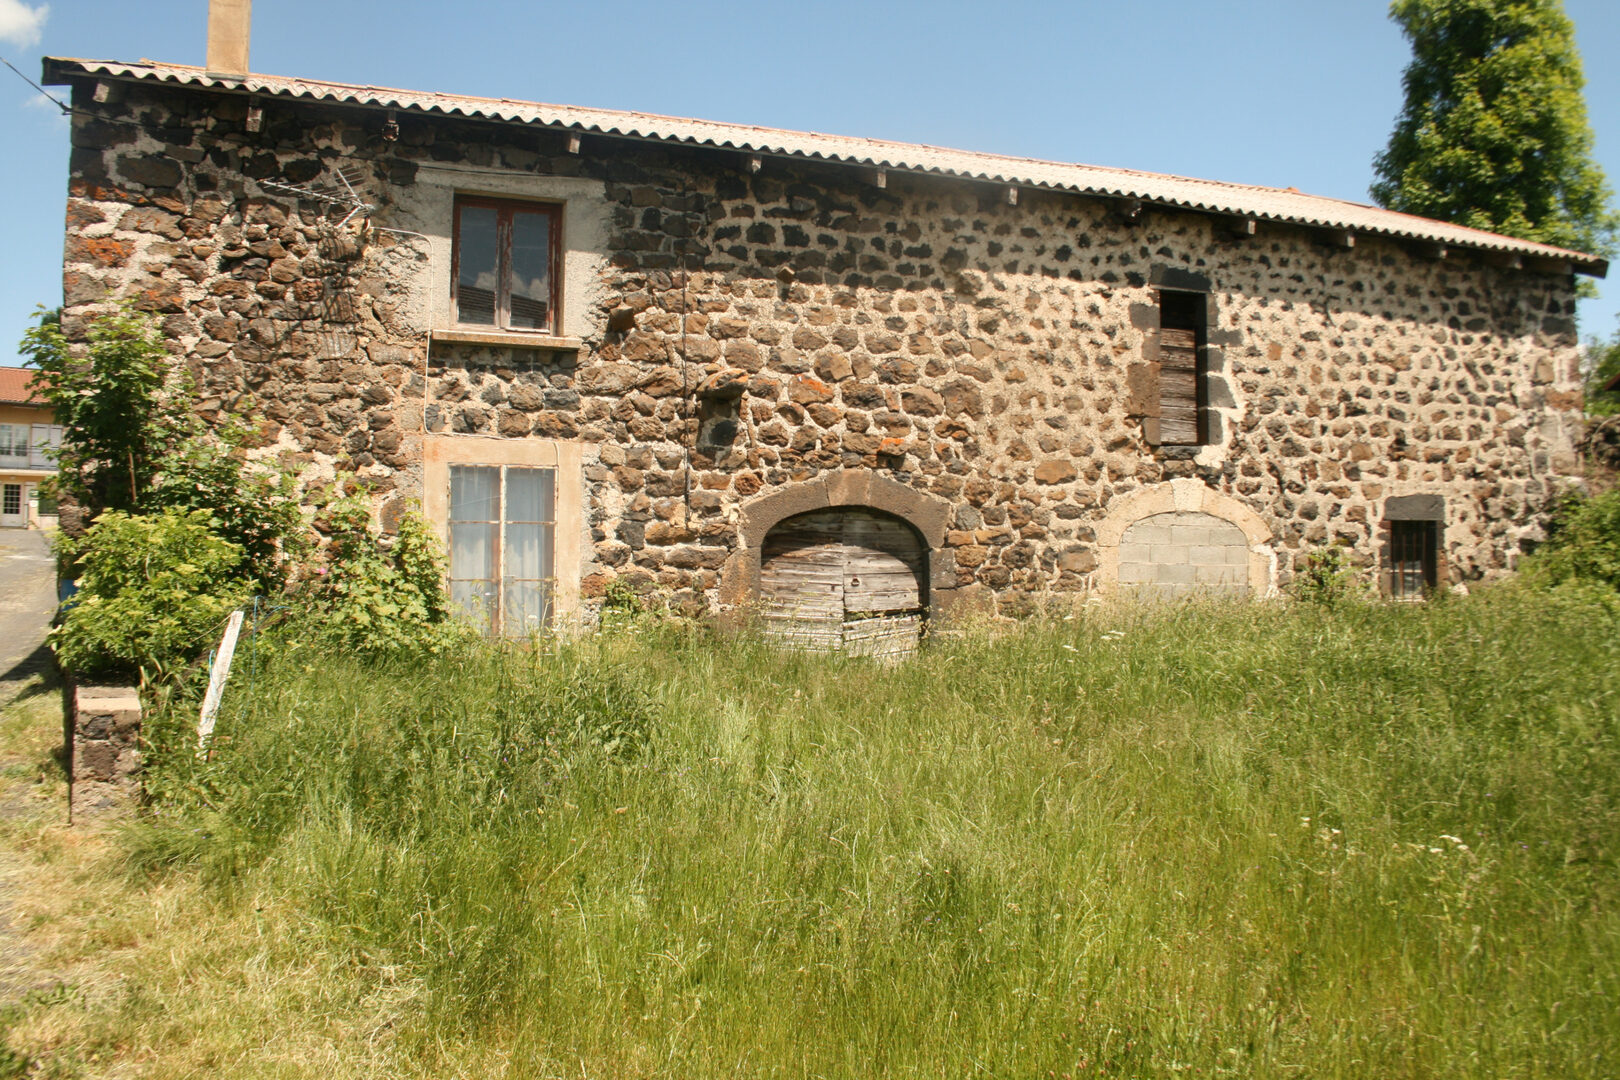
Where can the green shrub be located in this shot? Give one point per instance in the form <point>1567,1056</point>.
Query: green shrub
<point>153,593</point>
<point>1583,541</point>
<point>1326,578</point>
<point>376,599</point>
<point>132,441</point>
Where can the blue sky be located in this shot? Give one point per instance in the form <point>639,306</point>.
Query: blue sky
<point>1297,93</point>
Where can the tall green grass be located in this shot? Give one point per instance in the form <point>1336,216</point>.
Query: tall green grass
<point>1251,840</point>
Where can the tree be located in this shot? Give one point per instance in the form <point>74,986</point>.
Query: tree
<point>1493,134</point>
<point>132,443</point>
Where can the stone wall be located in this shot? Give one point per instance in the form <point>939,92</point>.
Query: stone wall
<point>986,355</point>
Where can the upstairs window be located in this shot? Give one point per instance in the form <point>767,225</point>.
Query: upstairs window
<point>44,440</point>
<point>1181,369</point>
<point>14,444</point>
<point>504,265</point>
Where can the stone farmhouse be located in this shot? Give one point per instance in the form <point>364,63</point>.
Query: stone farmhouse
<point>855,384</point>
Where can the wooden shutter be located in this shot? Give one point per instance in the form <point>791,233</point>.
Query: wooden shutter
<point>1178,387</point>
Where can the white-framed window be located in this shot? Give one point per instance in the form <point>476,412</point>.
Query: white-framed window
<point>14,444</point>
<point>502,526</point>
<point>509,514</point>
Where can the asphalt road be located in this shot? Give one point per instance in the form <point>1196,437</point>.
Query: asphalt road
<point>27,601</point>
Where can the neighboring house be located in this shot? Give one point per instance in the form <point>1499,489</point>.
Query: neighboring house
<point>852,383</point>
<point>27,434</point>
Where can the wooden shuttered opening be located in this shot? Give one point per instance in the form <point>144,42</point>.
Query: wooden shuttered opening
<point>1178,414</point>
<point>846,578</point>
<point>1178,387</point>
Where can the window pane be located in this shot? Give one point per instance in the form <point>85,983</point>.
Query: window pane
<point>531,270</point>
<point>475,493</point>
<point>477,247</point>
<point>13,440</point>
<point>526,610</point>
<point>474,600</point>
<point>472,551</point>
<point>11,499</point>
<point>529,494</point>
<point>528,551</point>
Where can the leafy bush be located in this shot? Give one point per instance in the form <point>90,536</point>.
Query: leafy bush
<point>109,403</point>
<point>379,600</point>
<point>153,591</point>
<point>1583,541</point>
<point>1326,578</point>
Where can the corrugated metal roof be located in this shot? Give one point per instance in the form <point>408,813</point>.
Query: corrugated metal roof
<point>1240,200</point>
<point>14,387</point>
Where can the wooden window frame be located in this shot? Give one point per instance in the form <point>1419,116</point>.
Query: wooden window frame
<point>1196,305</point>
<point>504,209</point>
<point>497,614</point>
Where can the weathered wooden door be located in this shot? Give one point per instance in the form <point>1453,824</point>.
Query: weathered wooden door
<point>846,578</point>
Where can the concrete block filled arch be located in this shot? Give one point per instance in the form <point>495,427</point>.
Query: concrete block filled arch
<point>1193,507</point>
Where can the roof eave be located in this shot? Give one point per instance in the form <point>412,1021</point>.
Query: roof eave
<point>61,70</point>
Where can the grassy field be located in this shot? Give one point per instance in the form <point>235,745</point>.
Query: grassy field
<point>1258,841</point>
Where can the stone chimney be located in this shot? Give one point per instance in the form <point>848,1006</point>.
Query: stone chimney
<point>228,24</point>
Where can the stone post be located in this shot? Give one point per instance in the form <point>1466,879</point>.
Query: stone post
<point>104,730</point>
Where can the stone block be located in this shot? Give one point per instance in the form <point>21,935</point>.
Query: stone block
<point>1219,575</point>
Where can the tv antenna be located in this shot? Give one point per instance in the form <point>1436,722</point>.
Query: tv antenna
<point>336,309</point>
<point>341,195</point>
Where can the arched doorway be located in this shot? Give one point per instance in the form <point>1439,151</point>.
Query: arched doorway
<point>847,577</point>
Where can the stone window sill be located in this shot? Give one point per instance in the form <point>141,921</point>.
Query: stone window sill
<point>507,339</point>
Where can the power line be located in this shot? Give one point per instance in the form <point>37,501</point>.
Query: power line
<point>66,108</point>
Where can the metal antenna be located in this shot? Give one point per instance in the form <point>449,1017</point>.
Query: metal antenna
<point>341,194</point>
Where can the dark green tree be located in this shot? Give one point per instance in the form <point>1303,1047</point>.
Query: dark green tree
<point>1494,134</point>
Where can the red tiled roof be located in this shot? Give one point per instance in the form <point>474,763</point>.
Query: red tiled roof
<point>14,387</point>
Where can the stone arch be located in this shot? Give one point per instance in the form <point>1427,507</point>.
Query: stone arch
<point>928,514</point>
<point>1199,513</point>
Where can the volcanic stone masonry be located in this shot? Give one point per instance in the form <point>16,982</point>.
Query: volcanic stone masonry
<point>732,336</point>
